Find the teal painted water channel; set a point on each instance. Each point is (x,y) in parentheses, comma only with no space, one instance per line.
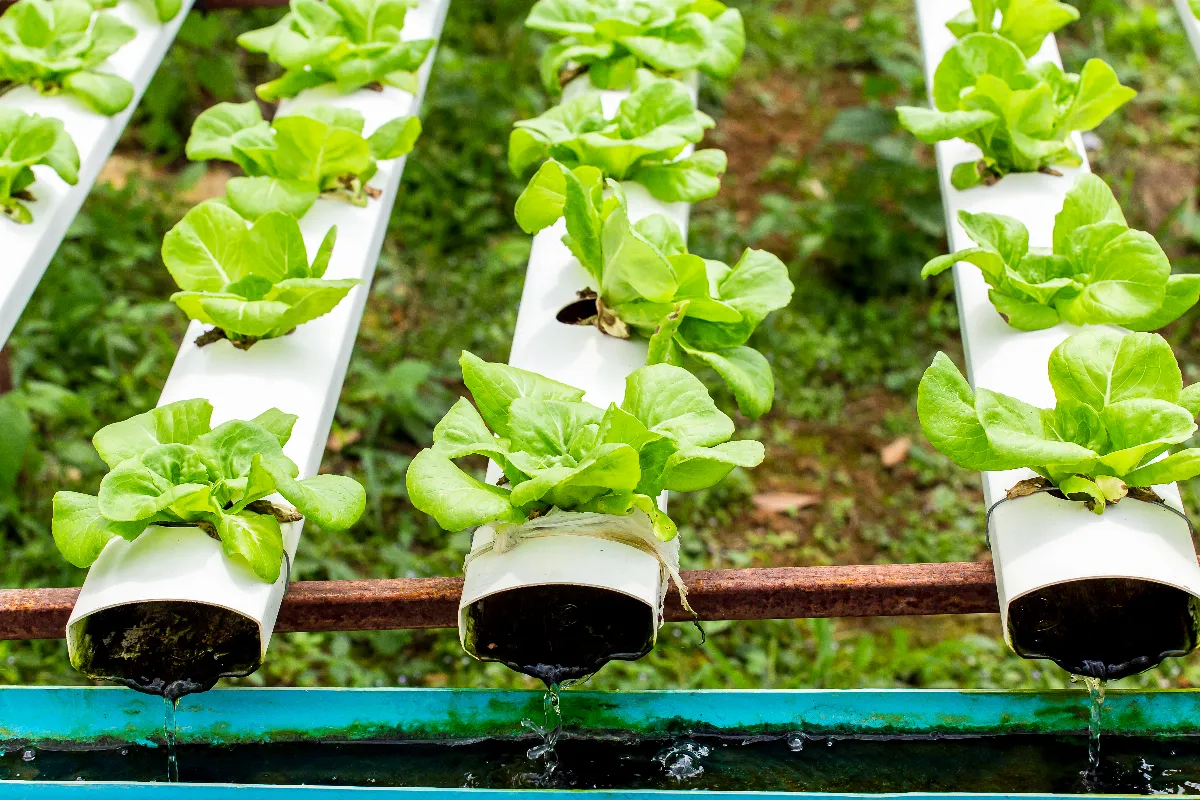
(329,743)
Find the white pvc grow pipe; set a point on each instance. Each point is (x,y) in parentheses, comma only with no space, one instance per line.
(300,374)
(1190,24)
(580,356)
(1040,541)
(26,250)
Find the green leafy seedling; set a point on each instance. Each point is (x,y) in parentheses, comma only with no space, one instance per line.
(1100,271)
(161,10)
(27,141)
(56,45)
(612,38)
(645,281)
(1019,115)
(170,467)
(560,452)
(249,283)
(294,159)
(348,43)
(1025,23)
(1120,405)
(641,143)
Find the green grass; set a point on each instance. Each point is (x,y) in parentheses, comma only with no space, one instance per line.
(819,174)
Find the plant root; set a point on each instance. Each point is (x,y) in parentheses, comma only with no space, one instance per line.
(1145,494)
(568,75)
(1028,487)
(280,513)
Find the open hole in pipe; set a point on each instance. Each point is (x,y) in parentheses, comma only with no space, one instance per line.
(581,312)
(1105,628)
(165,647)
(559,632)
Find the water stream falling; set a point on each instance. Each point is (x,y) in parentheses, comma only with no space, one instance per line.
(1095,687)
(549,731)
(169,730)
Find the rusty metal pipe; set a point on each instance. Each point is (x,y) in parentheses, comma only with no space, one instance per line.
(779,593)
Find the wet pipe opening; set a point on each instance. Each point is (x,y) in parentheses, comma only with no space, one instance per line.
(167,648)
(1106,628)
(559,632)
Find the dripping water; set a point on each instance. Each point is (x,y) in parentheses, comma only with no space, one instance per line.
(549,733)
(169,708)
(1095,687)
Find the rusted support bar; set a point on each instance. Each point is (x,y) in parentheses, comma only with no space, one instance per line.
(884,590)
(377,605)
(35,613)
(781,593)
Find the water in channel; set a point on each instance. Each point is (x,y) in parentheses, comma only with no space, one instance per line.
(794,762)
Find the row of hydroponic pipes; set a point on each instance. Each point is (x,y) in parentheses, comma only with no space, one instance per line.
(1076,405)
(590,425)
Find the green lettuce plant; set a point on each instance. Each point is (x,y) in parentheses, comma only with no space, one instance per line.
(612,38)
(249,283)
(641,143)
(645,281)
(1019,115)
(55,46)
(170,467)
(560,452)
(1025,23)
(1120,405)
(1100,271)
(27,140)
(294,159)
(161,10)
(349,43)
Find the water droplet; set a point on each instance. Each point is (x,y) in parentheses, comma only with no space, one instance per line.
(681,760)
(124,751)
(795,742)
(29,755)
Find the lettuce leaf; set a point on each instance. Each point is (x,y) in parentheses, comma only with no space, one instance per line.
(558,451)
(169,467)
(646,282)
(55,46)
(26,141)
(293,160)
(1025,23)
(1019,115)
(1119,406)
(1100,270)
(249,283)
(348,43)
(643,142)
(612,38)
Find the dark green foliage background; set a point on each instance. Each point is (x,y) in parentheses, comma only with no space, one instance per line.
(819,174)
